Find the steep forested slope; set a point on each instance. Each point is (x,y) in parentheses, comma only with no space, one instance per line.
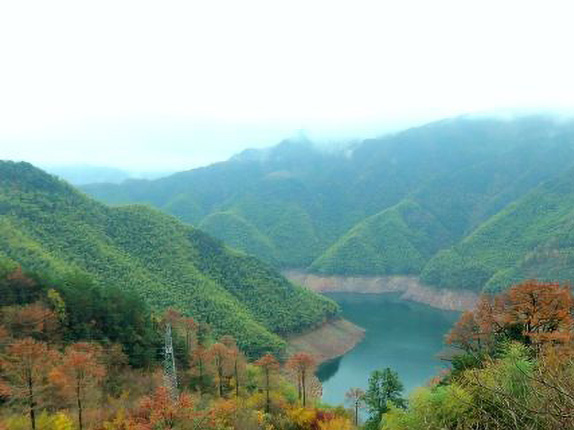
(383,206)
(398,240)
(533,237)
(50,228)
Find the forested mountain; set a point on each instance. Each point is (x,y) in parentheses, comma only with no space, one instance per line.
(401,204)
(51,229)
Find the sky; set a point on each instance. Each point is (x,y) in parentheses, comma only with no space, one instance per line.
(169,85)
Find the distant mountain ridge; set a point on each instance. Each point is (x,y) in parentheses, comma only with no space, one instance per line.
(399,204)
(78,174)
(52,229)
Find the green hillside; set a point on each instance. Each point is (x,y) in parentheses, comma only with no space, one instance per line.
(398,240)
(50,228)
(391,205)
(533,237)
(240,234)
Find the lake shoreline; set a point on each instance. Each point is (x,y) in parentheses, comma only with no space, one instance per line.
(409,287)
(331,340)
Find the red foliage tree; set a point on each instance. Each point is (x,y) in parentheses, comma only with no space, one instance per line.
(80,370)
(33,320)
(219,355)
(26,366)
(269,364)
(542,311)
(190,333)
(236,361)
(303,364)
(160,412)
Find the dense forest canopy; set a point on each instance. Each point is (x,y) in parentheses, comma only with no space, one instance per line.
(441,201)
(49,228)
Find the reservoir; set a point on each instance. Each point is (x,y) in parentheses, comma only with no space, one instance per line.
(405,336)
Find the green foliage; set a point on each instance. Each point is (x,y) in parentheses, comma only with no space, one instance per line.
(238,233)
(398,240)
(51,229)
(384,391)
(440,407)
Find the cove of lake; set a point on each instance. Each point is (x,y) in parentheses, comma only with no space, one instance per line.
(405,336)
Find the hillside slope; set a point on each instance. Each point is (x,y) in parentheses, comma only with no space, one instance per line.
(533,237)
(49,227)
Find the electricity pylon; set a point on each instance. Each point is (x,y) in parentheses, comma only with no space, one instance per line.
(169,370)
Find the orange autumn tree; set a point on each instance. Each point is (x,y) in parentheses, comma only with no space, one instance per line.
(269,364)
(33,320)
(4,336)
(539,311)
(189,327)
(303,364)
(200,365)
(236,362)
(26,366)
(80,369)
(23,289)
(543,310)
(159,411)
(219,355)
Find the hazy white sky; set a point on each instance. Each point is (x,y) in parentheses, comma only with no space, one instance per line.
(164,84)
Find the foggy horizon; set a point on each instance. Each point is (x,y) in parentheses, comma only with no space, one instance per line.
(149,88)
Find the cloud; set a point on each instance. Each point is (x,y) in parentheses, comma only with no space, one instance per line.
(195,81)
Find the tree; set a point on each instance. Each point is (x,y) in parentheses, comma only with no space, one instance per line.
(20,289)
(476,330)
(532,311)
(26,366)
(236,361)
(190,331)
(159,411)
(384,389)
(543,310)
(4,335)
(32,320)
(220,355)
(303,364)
(80,370)
(356,396)
(199,365)
(269,364)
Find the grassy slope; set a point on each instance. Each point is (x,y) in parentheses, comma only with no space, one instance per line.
(47,226)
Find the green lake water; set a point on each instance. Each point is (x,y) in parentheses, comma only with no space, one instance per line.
(402,335)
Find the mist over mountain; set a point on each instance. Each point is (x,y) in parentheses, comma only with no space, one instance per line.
(385,206)
(81,174)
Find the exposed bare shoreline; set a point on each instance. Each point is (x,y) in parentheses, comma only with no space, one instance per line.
(331,340)
(337,337)
(410,288)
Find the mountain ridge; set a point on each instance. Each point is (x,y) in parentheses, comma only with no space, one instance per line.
(298,207)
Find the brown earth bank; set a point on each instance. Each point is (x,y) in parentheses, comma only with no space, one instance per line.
(331,340)
(410,288)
